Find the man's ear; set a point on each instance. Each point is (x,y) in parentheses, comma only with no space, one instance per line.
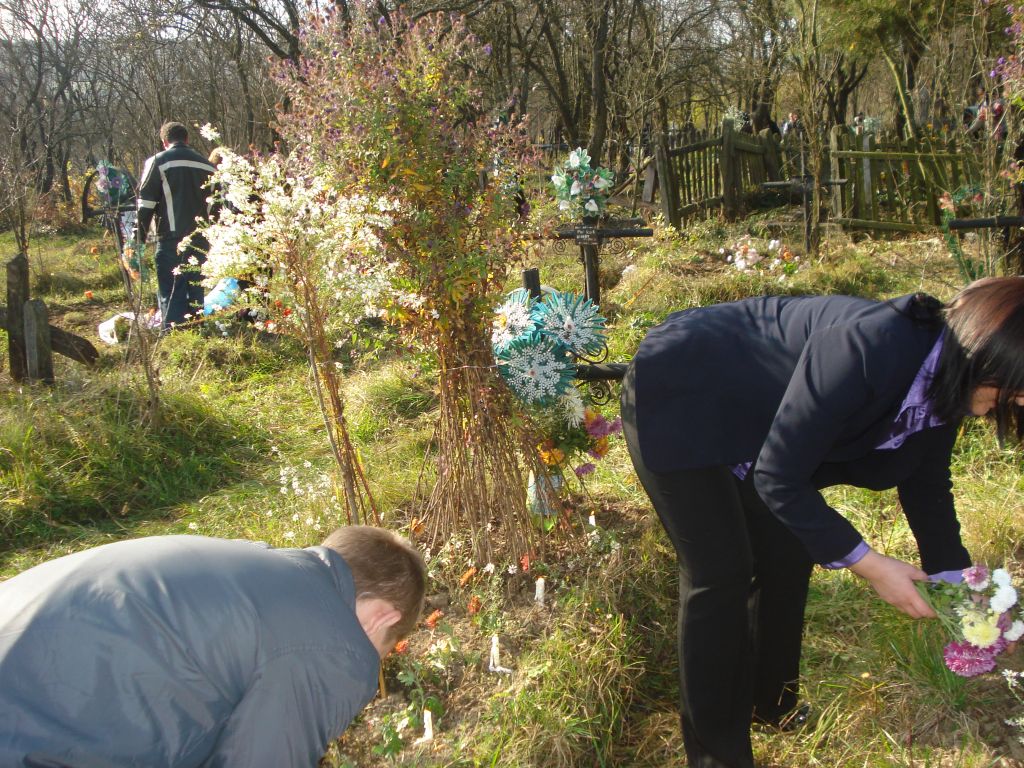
(382,615)
(377,616)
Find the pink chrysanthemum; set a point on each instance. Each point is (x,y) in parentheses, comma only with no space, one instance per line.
(968,660)
(585,469)
(976,577)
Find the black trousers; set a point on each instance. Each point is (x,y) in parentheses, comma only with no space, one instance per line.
(743,580)
(179,294)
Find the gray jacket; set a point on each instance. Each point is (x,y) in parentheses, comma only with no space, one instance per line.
(181,651)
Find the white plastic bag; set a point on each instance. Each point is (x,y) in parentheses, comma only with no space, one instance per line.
(108,329)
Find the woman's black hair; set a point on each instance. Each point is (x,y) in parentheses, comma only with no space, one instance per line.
(984,346)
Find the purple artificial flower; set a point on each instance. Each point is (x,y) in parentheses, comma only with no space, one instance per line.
(976,577)
(597,427)
(968,660)
(585,469)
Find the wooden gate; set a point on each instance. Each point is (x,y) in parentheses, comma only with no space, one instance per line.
(893,185)
(698,172)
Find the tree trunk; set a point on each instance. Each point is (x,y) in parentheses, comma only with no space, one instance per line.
(599,88)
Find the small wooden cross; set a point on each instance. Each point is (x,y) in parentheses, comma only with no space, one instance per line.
(589,235)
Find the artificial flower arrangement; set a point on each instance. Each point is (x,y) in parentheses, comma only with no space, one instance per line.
(747,256)
(581,189)
(980,614)
(536,344)
(113,186)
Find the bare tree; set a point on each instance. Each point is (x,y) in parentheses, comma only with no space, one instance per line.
(43,48)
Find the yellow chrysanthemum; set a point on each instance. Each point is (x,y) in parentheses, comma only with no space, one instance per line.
(552,457)
(982,633)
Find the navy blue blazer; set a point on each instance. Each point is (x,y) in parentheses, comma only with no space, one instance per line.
(805,387)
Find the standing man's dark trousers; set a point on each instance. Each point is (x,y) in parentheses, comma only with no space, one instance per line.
(743,580)
(178,294)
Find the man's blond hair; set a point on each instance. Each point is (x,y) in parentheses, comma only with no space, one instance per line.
(384,565)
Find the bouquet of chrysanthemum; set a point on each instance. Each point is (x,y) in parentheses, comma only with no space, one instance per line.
(981,615)
(580,188)
(577,436)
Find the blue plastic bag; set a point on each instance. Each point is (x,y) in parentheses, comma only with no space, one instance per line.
(224,294)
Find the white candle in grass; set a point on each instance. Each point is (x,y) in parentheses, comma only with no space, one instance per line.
(494,665)
(428,727)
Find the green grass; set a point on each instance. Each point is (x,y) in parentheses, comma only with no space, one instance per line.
(594,677)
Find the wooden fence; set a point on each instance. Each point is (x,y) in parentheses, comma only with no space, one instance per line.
(894,185)
(698,172)
(887,185)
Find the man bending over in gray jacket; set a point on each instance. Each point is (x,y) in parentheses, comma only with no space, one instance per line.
(190,651)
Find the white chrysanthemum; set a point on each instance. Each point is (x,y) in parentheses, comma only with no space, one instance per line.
(1015,632)
(1003,600)
(571,407)
(1001,577)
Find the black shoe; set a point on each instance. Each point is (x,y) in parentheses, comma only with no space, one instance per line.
(793,720)
(796,719)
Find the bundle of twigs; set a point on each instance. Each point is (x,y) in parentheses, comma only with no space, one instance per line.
(485,453)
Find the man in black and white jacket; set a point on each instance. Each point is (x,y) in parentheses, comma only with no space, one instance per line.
(174,190)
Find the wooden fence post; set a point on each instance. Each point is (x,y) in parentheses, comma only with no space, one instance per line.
(868,198)
(836,170)
(727,166)
(38,349)
(666,182)
(17,295)
(772,161)
(650,179)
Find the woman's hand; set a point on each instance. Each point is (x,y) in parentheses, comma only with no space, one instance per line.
(893,580)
